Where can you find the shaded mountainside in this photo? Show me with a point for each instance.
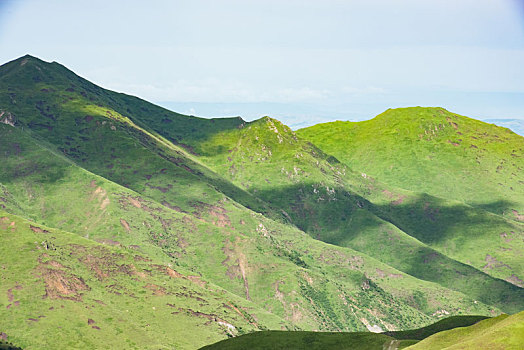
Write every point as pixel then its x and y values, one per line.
pixel 341 340
pixel 215 226
pixel 332 203
pixel 434 151
pixel 301 280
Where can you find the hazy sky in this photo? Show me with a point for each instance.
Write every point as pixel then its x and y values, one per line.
pixel 306 60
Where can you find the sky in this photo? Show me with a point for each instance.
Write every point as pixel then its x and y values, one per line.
pixel 302 62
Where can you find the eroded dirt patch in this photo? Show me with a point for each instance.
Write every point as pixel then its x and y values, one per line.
pixel 61 284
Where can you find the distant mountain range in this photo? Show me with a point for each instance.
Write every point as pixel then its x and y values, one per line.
pixel 126 225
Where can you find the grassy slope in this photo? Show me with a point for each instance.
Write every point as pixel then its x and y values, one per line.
pixel 469 172
pixel 300 269
pixel 502 332
pixel 325 340
pixel 327 200
pixel 466 159
pixel 191 199
pixel 131 300
pixel 303 340
pixel 440 326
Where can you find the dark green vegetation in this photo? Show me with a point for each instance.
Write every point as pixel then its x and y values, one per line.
pixel 145 228
pixel 460 332
pixel 279 340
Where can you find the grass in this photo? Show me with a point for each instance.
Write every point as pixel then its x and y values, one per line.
pixel 279 340
pixel 372 341
pixel 235 208
pixel 502 332
pixel 407 146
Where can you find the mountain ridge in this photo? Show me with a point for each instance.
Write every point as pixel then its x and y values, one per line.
pixel 235 205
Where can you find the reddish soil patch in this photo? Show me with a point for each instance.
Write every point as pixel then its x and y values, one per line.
pixel 493 263
pixel 108 242
pixel 125 225
pixel 90 321
pixel 157 290
pixel 37 229
pixel 135 202
pixel 219 214
pixel 239 266
pixel 60 284
pixel 515 280
pixel 518 216
pixel 5 223
pixel 173 207
pixel 210 317
pixel 95 327
pixel 173 273
pixel 3 336
pixel 160 188
pixel 398 201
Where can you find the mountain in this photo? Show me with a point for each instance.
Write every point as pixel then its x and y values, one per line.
pixel 332 203
pixel 467 160
pixel 220 226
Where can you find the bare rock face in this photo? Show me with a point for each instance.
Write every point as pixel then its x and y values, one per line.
pixel 7 118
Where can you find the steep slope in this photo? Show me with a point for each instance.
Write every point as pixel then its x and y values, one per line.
pixel 95 128
pixel 341 340
pixel 502 332
pixel 278 340
pixel 467 160
pixel 309 283
pixel 83 159
pixel 109 296
pixel 331 203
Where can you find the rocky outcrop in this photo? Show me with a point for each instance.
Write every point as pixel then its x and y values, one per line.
pixel 7 118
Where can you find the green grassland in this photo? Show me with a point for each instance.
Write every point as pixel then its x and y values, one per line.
pixel 356 340
pixel 502 332
pixel 97 294
pixel 300 269
pixel 279 340
pixel 327 200
pixel 433 151
pixel 173 231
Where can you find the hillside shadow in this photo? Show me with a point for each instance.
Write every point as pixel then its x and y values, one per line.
pixel 352 221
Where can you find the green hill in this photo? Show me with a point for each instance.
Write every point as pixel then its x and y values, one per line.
pixel 216 225
pixel 332 203
pixel 325 341
pixel 433 151
pixel 502 332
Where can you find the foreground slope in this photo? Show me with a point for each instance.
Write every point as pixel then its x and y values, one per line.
pixel 109 297
pixel 465 159
pixel 325 340
pixel 502 332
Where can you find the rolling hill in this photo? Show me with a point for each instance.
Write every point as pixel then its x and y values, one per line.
pixel 431 150
pixel 140 225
